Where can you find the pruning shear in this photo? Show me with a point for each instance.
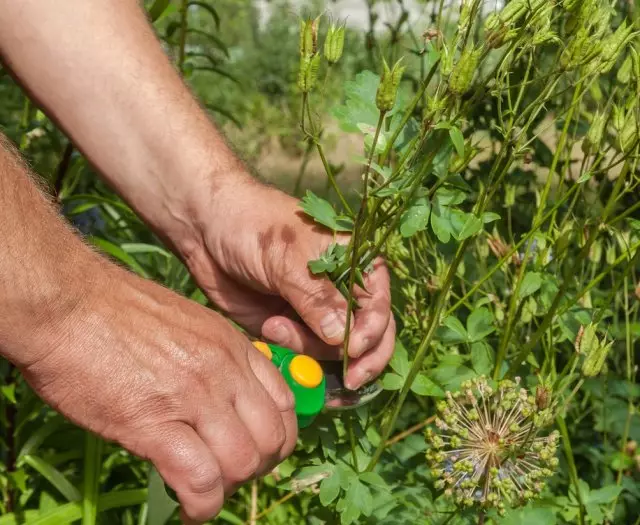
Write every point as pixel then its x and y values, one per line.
pixel 316 385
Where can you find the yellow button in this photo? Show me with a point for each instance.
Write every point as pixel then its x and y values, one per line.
pixel 264 349
pixel 306 371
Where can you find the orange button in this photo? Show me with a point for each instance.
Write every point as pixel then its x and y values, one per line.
pixel 306 371
pixel 264 349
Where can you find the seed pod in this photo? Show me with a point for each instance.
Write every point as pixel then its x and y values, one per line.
pixel 610 254
pixel 334 44
pixel 595 253
pixel 464 71
pixel 446 60
pixel 509 195
pixel 594 361
pixel 308 37
pixel 614 45
pixel 388 88
pixel 308 73
pixel 593 139
pixel 624 73
pixel 629 133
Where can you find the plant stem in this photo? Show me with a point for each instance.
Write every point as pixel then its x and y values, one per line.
pixel 434 322
pixel 548 318
pixel 355 244
pixel 407 114
pixel 513 304
pixel 573 472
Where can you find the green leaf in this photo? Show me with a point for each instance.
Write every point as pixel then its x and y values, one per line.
pixel 140 247
pixel 160 506
pixel 9 392
pixel 441 222
pixel 529 516
pixel 400 359
pixel 213 39
pixel 458 140
pixel 93 446
pixel 452 331
pixel 209 9
pixel 423 386
pixel 360 106
pixel 322 212
pixel 330 488
pixel 53 476
pixel 392 381
pixel 479 324
pixel 605 495
pixel 38 437
pixel 482 358
pixel 530 284
pixel 119 254
pixel 19 480
pixel 359 495
pixel 489 216
pixel 158 9
pixel 471 226
pixel 416 217
pixel 375 480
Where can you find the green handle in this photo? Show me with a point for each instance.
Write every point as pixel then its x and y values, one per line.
pixel 305 378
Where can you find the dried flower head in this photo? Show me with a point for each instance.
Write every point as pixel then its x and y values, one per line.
pixel 488 451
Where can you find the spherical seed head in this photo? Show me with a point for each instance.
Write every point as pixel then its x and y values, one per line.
pixel 493 453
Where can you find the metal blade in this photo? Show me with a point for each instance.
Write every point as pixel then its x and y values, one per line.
pixel 338 397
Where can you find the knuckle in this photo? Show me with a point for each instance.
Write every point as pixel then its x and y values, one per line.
pixel 203 480
pixel 276 440
pixel 247 467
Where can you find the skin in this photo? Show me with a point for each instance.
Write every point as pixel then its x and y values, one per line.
pixel 185 390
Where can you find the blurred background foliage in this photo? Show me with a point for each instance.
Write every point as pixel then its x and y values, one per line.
pixel 241 59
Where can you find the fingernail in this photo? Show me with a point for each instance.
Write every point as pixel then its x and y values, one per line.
pixel 362 378
pixel 332 325
pixel 361 349
pixel 280 334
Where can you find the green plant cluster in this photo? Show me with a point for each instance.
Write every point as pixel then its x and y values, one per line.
pixel 500 183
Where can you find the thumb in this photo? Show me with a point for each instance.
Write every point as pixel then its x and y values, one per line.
pixel 320 305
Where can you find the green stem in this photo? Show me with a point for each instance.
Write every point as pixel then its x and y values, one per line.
pixel 434 322
pixel 548 318
pixel 408 112
pixel 507 256
pixel 357 228
pixel 573 472
pixel 513 304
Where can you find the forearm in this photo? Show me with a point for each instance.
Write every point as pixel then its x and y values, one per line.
pixel 99 70
pixel 40 265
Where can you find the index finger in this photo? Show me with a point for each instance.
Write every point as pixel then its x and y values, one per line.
pixel 372 318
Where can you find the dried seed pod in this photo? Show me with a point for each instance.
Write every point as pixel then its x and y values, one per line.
pixel 388 88
pixel 334 44
pixel 308 37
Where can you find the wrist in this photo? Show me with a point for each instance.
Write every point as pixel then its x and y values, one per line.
pixel 40 314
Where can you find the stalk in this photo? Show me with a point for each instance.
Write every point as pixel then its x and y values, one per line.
pixel 362 213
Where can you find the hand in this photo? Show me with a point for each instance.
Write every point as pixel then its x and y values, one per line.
pixel 171 382
pixel 252 262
